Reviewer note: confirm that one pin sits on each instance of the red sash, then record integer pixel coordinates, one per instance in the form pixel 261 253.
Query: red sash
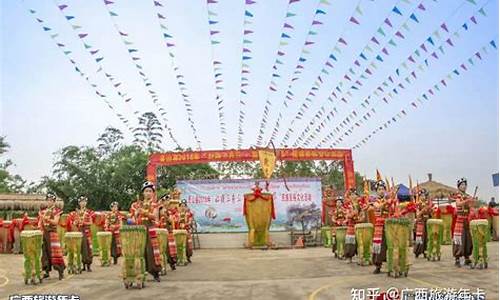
pixel 118 242
pixel 419 232
pixel 378 234
pixel 155 245
pixel 88 236
pixel 172 246
pixel 457 232
pixel 56 251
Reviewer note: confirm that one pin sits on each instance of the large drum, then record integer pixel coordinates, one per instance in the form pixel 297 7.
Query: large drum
pixel 447 218
pixel 73 241
pixel 494 225
pixel 31 243
pixel 340 232
pixel 364 238
pixel 434 238
pixel 181 243
pixel 162 235
pixel 61 230
pixel 104 240
pixel 133 247
pixel 326 234
pixel 397 231
pixel 480 232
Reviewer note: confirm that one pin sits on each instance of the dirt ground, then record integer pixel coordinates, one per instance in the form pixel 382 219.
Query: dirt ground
pixel 310 273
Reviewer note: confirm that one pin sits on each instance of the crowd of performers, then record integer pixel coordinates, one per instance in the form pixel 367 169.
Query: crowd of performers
pixel 382 230
pixel 156 233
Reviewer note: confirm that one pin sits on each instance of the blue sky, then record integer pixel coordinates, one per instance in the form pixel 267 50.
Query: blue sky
pixel 46 105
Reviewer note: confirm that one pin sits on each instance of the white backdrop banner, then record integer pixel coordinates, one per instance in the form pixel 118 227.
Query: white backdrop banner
pixel 218 204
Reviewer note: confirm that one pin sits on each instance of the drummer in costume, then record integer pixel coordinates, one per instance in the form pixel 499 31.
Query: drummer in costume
pixel 113 223
pixel 424 212
pixel 381 208
pixel 462 240
pixel 339 220
pixel 364 229
pixel 80 220
pixel 353 216
pixel 186 217
pixel 167 212
pixel 52 253
pixel 144 212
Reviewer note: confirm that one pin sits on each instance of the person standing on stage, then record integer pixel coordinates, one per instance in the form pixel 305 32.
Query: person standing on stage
pixel 113 223
pixel 381 207
pixel 52 253
pixel 462 240
pixel 353 214
pixel 80 220
pixel 144 212
pixel 186 217
pixel 424 212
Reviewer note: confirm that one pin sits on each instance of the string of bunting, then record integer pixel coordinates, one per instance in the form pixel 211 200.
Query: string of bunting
pixel 319 15
pixel 393 91
pixel 359 63
pixel 94 52
pixel 54 36
pixel 340 44
pixel 300 66
pixel 135 57
pixel 246 56
pixel 214 31
pixel 432 91
pixel 410 60
pixel 181 83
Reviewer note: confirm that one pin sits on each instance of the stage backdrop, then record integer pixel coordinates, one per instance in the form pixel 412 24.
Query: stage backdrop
pixel 218 204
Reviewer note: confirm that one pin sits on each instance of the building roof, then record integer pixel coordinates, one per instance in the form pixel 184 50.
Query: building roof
pixel 25 202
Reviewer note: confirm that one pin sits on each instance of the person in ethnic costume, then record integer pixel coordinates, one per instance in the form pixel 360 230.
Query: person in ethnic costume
pixel 381 208
pixel 353 216
pixel 113 223
pixel 52 253
pixel 186 217
pixel 424 212
pixel 144 212
pixel 80 220
pixel 462 240
pixel 164 222
pixel 339 221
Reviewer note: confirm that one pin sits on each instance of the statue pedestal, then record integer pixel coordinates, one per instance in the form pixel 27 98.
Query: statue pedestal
pixel 259 211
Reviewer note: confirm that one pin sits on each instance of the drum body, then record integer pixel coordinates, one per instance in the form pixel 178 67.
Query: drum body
pixel 340 232
pixel 181 243
pixel 494 225
pixel 61 231
pixel 31 244
pixel 326 234
pixel 364 237
pixel 104 240
pixel 133 239
pixel 73 242
pixel 434 229
pixel 447 227
pixel 397 231
pixel 480 233
pixel 162 235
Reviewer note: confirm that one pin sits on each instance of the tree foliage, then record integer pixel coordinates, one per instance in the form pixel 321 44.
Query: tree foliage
pixel 9 183
pixel 148 135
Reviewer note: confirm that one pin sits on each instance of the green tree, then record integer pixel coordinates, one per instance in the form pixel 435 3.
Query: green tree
pixel 8 183
pixel 109 141
pixel 148 135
